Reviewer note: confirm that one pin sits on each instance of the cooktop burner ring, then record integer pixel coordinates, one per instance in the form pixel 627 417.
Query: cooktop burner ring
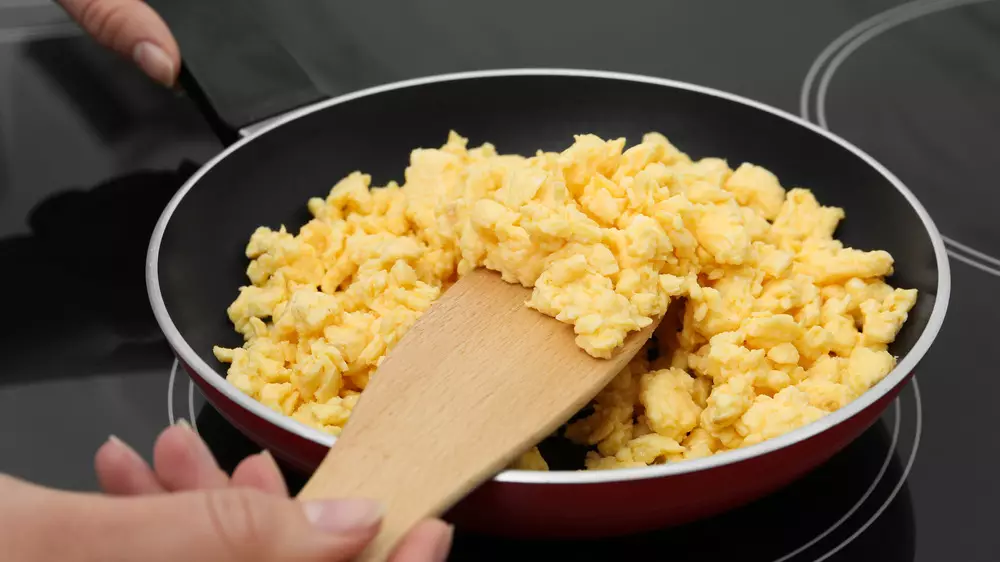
pixel 919 413
pixel 843 47
pixel 171 417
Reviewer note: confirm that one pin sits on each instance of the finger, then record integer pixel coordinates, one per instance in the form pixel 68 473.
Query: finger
pixel 133 29
pixel 224 525
pixel 31 517
pixel 260 472
pixel 121 471
pixel 348 524
pixel 428 541
pixel 183 462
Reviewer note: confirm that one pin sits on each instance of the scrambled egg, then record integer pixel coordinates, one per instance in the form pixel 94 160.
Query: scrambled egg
pixel 780 324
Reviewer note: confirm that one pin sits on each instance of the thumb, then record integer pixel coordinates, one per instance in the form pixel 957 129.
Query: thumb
pixel 134 30
pixel 230 525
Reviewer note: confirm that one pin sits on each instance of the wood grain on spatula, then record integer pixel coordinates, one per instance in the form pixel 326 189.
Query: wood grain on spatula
pixel 476 381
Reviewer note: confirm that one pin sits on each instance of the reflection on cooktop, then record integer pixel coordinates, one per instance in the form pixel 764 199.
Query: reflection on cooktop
pixel 94 241
pixel 82 343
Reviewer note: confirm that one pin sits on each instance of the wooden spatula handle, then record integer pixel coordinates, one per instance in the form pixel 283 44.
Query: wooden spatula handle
pixel 368 472
pixel 457 399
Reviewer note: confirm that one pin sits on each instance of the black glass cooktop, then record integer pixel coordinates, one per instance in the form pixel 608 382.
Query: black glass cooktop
pixel 90 152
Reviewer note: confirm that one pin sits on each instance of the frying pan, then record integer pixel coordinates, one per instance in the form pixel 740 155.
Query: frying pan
pixel 196 261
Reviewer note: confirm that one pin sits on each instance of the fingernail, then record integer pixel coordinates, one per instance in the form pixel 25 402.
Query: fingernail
pixel 270 458
pixel 343 516
pixel 114 440
pixel 123 447
pixel 200 446
pixel 444 545
pixel 154 62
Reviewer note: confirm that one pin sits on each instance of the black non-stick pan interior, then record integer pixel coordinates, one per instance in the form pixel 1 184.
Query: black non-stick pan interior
pixel 268 180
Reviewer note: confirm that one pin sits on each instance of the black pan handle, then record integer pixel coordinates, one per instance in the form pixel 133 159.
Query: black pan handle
pixel 236 69
pixel 225 131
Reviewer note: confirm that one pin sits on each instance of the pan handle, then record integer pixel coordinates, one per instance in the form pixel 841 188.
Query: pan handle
pixel 236 70
pixel 229 129
pixel 226 133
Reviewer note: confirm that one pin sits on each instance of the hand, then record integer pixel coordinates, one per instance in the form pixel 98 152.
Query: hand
pixel 134 30
pixel 188 509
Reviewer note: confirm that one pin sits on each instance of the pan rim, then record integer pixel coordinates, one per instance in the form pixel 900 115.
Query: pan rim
pixel 895 377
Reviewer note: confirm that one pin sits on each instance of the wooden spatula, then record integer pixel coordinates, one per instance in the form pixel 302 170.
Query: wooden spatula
pixel 476 381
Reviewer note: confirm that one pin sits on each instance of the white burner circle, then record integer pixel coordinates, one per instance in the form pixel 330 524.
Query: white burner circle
pixel 171 416
pixel 843 47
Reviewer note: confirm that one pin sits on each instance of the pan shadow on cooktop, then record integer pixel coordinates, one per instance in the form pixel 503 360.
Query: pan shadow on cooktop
pixel 76 284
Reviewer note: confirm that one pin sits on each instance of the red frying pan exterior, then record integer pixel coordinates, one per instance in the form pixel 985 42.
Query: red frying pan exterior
pixel 592 510
pixel 196 263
